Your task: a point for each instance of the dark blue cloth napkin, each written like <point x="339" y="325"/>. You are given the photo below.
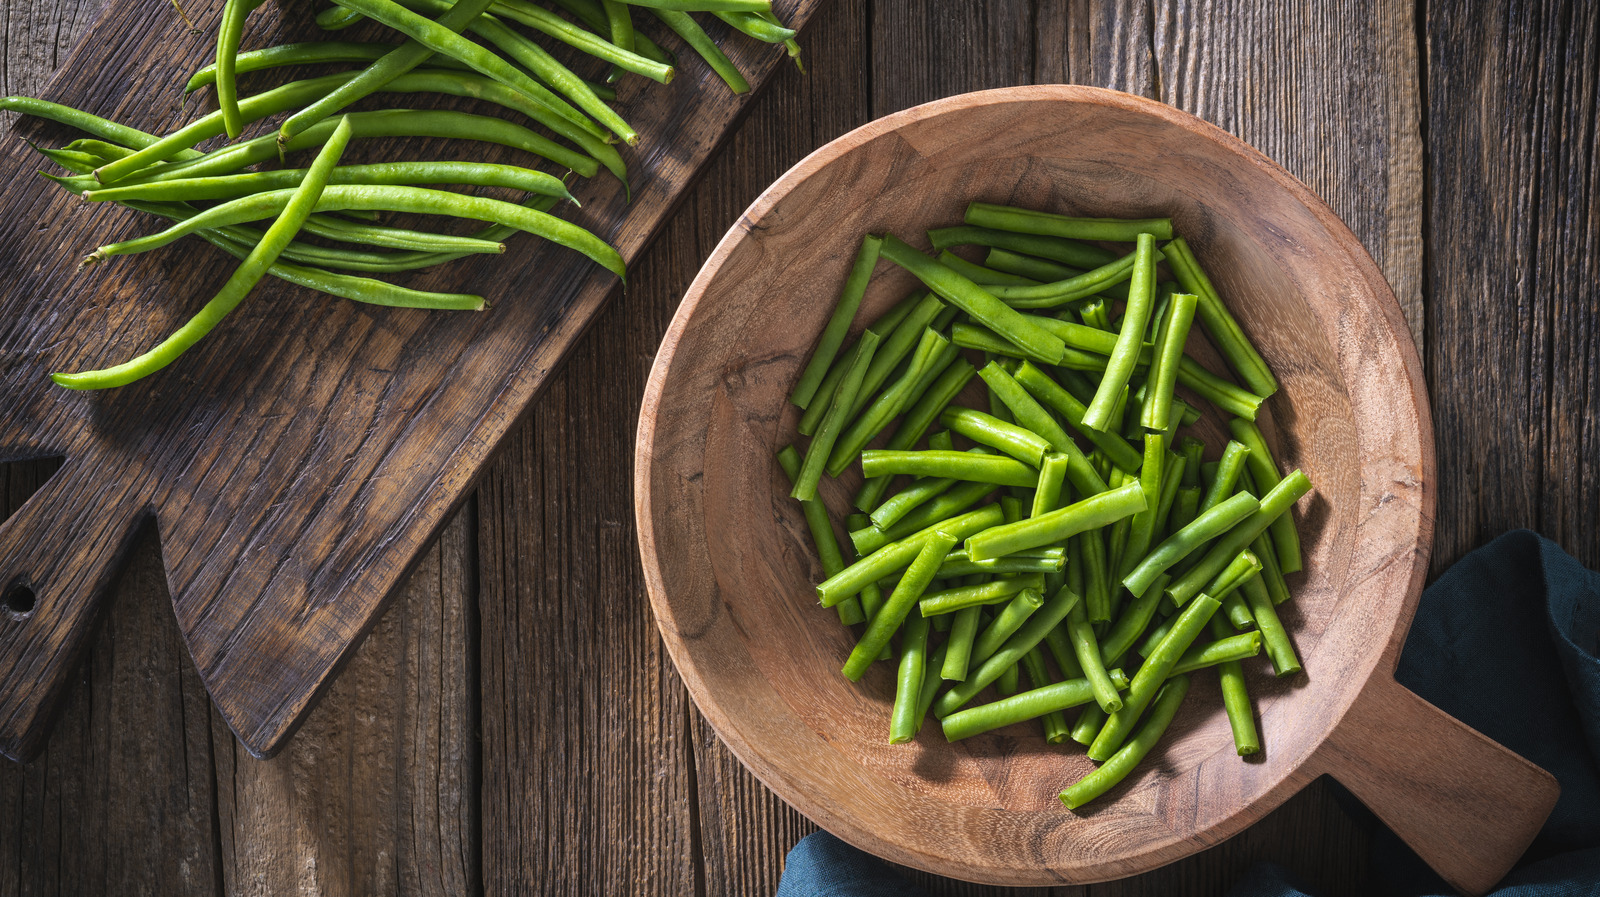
<point x="1508" y="641"/>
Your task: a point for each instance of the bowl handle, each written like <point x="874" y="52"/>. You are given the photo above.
<point x="1465" y="804"/>
<point x="58" y="553"/>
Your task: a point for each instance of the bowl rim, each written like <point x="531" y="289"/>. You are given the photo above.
<point x="1385" y="308"/>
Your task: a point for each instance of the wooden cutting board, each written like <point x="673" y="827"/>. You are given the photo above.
<point x="299" y="458"/>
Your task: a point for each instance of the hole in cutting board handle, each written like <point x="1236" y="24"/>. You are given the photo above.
<point x="19" y="598"/>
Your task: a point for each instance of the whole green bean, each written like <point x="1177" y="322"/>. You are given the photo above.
<point x="356" y="289"/>
<point x="833" y="333"/>
<point x="1117" y="766"/>
<point x="656" y="66"/>
<point x="590" y="13"/>
<point x="1126" y="354"/>
<point x="896" y="555"/>
<point x="1057" y="526"/>
<point x="1280" y="649"/>
<point x="1276" y="502"/>
<point x="261" y="105"/>
<point x="103" y="128"/>
<point x="695" y="36"/>
<point x="396" y="238"/>
<point x="242" y="281"/>
<point x="968" y="466"/>
<point x="972" y="299"/>
<point x="948" y="601"/>
<point x="389" y="198"/>
<point x="543" y="66"/>
<point x="1028" y="221"/>
<point x="1021" y="642"/>
<point x="378" y="123"/>
<point x="1264" y="470"/>
<point x="229" y="34"/>
<point x="1168" y="356"/>
<point x="930" y="554"/>
<point x="1185" y="628"/>
<point x="753" y="25"/>
<point x="1223" y="329"/>
<point x="1193" y="535"/>
<point x="960" y="497"/>
<point x="1023" y="706"/>
<point x="233" y="186"/>
<point x="904" y="718"/>
<point x="833" y="422"/>
<point x="306" y="53"/>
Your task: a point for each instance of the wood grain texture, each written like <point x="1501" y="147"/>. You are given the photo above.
<point x="586" y="783"/>
<point x="364" y="427"/>
<point x="1477" y="137"/>
<point x="1513" y="94"/>
<point x="731" y="588"/>
<point x="377" y="793"/>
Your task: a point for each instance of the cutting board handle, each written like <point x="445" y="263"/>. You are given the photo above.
<point x="58" y="553"/>
<point x="1465" y="804"/>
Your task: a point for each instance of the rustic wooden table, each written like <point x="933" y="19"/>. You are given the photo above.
<point x="513" y="724"/>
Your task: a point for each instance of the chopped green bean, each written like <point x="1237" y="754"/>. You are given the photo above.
<point x="1168" y="356"/>
<point x="1264" y="470"/>
<point x="982" y="214"/>
<point x="1185" y="628"/>
<point x="1125" y="356"/>
<point x="930" y="554"/>
<point x="844" y="311"/>
<point x="904" y="719"/>
<point x="1059" y="525"/>
<point x="805" y="486"/>
<point x="1117" y="766"/>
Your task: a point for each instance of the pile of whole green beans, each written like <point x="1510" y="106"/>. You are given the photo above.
<point x="212" y="195"/>
<point x="1126" y="567"/>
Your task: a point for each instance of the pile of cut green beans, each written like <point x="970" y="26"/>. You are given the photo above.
<point x="213" y="195"/>
<point x="990" y="543"/>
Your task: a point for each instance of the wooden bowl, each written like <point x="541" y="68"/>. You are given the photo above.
<point x="730" y="566"/>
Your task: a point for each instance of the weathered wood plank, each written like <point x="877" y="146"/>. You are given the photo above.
<point x="1514" y="258"/>
<point x="586" y="770"/>
<point x="376" y="795"/>
<point x="121" y="800"/>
